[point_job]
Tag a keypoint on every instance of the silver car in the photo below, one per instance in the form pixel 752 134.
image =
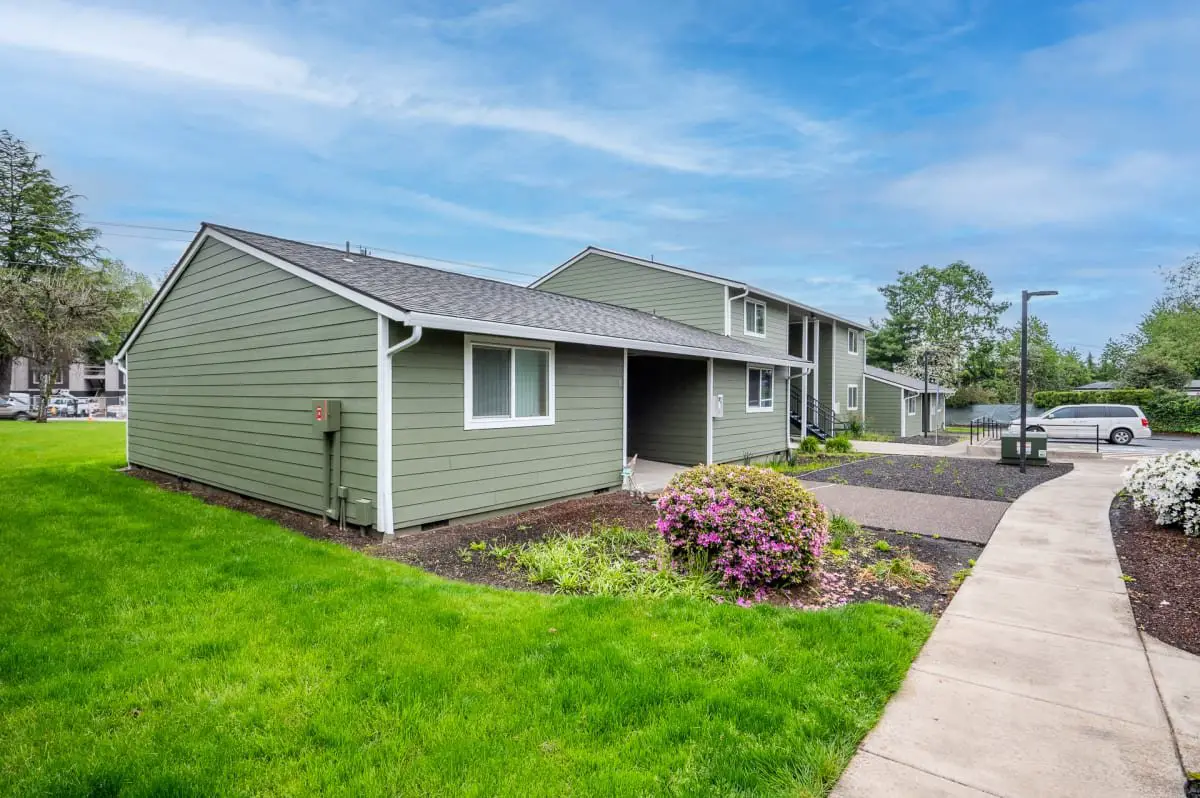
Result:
pixel 11 408
pixel 1119 424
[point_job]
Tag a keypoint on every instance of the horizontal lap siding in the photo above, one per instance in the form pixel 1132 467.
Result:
pixel 690 300
pixel 776 327
pixel 883 408
pixel 825 375
pixel 849 368
pixel 442 471
pixel 223 376
pixel 667 409
pixel 740 434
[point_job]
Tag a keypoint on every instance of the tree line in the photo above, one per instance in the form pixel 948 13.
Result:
pixel 62 297
pixel 949 318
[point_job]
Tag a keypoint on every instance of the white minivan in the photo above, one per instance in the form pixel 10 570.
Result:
pixel 1113 423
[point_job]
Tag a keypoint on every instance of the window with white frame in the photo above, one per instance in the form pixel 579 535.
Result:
pixel 852 341
pixel 760 389
pixel 851 397
pixel 912 405
pixel 756 318
pixel 508 384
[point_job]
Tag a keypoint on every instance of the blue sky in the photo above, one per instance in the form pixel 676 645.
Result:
pixel 814 148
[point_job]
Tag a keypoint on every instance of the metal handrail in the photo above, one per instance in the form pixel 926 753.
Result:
pixel 1061 439
pixel 984 428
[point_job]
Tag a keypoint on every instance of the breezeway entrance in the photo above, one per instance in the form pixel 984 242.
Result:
pixel 667 407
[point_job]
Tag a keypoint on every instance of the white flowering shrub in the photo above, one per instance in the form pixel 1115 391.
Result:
pixel 1169 486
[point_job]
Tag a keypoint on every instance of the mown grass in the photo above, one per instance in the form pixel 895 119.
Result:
pixel 154 645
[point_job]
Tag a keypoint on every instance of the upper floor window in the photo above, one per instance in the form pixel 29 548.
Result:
pixel 756 318
pixel 508 385
pixel 852 341
pixel 760 389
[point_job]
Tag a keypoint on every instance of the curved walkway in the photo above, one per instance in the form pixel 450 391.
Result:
pixel 1035 681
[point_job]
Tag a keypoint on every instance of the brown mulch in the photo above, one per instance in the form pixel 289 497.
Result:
pixel 446 551
pixel 1165 567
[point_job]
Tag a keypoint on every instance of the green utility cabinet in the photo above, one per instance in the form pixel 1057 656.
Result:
pixel 326 415
pixel 1035 448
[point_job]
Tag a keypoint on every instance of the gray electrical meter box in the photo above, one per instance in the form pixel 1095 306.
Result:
pixel 326 415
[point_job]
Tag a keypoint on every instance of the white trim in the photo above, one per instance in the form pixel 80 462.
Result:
pixel 624 407
pixel 804 408
pixel 650 264
pixel 760 367
pixel 708 430
pixel 857 346
pixel 902 386
pixel 857 396
pixel 758 303
pixel 833 402
pixel 384 518
pixel 455 324
pixel 816 388
pixel 368 302
pixel 903 418
pixel 912 399
pixel 728 313
pixel 472 423
pixel 124 368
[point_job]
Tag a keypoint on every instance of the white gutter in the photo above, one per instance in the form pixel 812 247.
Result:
pixel 457 324
pixel 385 517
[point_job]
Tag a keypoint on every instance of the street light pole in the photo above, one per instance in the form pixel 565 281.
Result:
pixel 925 400
pixel 1025 296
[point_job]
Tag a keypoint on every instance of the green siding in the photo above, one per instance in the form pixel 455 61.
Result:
pixel 739 434
pixel 848 367
pixel 825 369
pixel 442 471
pixel 668 409
pixel 222 377
pixel 690 300
pixel 883 408
pixel 776 327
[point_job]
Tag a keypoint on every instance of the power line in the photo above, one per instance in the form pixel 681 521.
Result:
pixel 139 226
pixel 446 260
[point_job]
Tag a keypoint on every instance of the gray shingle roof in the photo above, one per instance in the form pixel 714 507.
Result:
pixel 421 289
pixel 911 383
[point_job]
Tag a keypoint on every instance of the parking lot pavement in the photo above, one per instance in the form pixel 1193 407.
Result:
pixel 949 517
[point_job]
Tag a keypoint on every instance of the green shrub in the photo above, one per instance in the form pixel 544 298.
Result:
pixel 854 426
pixel 611 561
pixel 969 395
pixel 839 445
pixel 755 527
pixel 809 445
pixel 1168 411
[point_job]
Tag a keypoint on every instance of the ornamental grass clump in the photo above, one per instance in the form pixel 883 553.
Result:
pixel 1170 487
pixel 755 528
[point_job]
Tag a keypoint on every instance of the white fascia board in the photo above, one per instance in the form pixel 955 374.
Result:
pixel 933 388
pixel 456 324
pixel 358 298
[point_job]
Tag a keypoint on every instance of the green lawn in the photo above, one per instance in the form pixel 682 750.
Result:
pixel 153 645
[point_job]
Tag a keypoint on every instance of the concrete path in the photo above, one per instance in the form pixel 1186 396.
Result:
pixel 949 516
pixel 887 447
pixel 1035 681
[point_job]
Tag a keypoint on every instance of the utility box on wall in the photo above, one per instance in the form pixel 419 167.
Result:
pixel 326 415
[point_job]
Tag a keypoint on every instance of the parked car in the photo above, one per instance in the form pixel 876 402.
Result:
pixel 1119 424
pixel 11 408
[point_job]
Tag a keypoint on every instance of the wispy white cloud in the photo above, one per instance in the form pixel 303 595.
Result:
pixel 677 127
pixel 580 228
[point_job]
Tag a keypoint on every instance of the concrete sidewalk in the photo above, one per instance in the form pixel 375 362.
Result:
pixel 1035 682
pixel 888 447
pixel 948 516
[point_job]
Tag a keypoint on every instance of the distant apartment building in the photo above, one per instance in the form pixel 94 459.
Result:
pixel 80 379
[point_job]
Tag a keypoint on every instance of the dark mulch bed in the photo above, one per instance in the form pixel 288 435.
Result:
pixel 441 551
pixel 969 478
pixel 1165 567
pixel 929 440
pixel 842 581
pixel 446 551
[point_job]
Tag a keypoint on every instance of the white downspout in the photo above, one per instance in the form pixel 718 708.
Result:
pixel 124 369
pixel 708 432
pixel 729 300
pixel 804 406
pixel 385 518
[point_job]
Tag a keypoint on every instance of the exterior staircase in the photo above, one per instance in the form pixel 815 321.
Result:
pixel 823 423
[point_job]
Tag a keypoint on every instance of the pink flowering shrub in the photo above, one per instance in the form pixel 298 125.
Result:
pixel 756 528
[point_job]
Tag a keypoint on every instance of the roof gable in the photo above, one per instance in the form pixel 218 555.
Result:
pixel 424 296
